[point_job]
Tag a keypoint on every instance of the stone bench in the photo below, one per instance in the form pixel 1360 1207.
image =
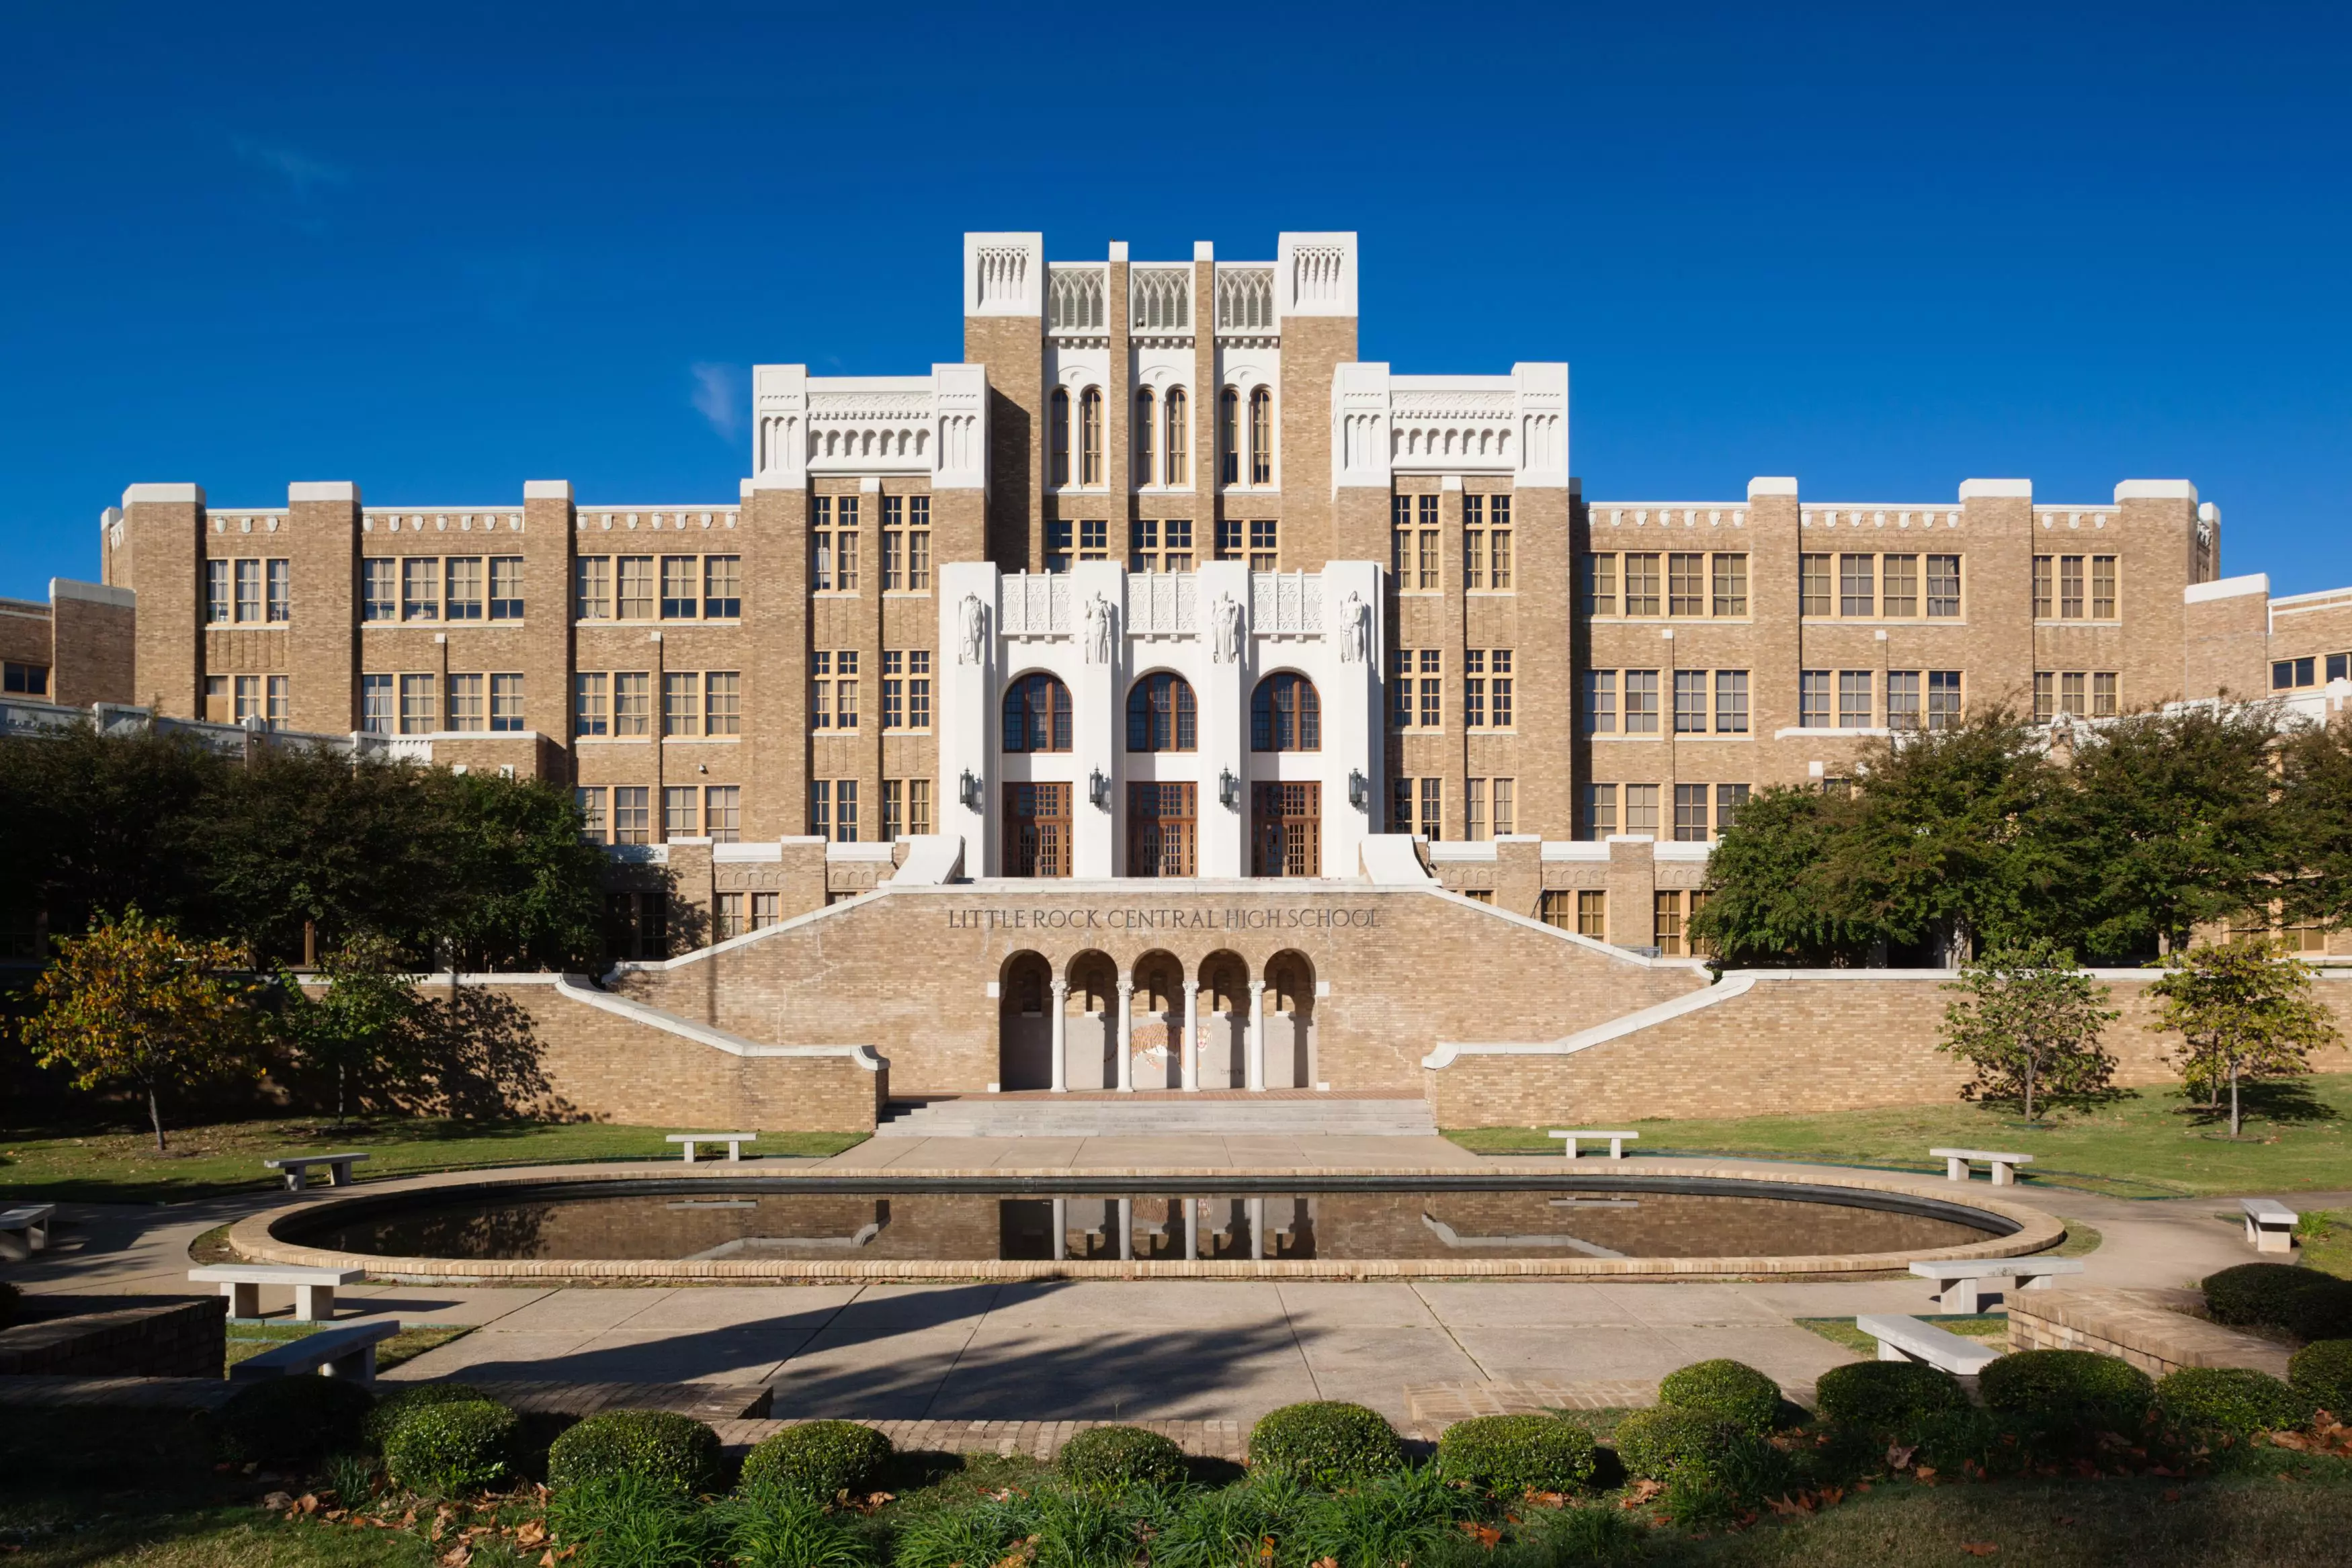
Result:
pixel 1959 1163
pixel 1960 1285
pixel 296 1169
pixel 347 1352
pixel 2270 1224
pixel 32 1221
pixel 734 1142
pixel 1908 1339
pixel 1617 1140
pixel 314 1289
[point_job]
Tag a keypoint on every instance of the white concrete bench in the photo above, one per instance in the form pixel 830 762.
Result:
pixel 2270 1224
pixel 31 1220
pixel 1959 1284
pixel 296 1169
pixel 1957 1163
pixel 1908 1339
pixel 347 1352
pixel 734 1142
pixel 1617 1140
pixel 314 1289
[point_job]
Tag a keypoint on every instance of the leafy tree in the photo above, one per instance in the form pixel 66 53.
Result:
pixel 91 822
pixel 361 1023
pixel 1774 898
pixel 134 1002
pixel 528 890
pixel 2243 1009
pixel 2029 1022
pixel 2315 811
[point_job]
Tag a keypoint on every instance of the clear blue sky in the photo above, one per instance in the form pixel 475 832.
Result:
pixel 1882 247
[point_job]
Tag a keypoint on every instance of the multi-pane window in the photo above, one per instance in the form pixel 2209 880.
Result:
pixel 821 544
pixel 722 587
pixel 1474 809
pixel 681 703
pixel 375 704
pixel 1641 702
pixel 1640 584
pixel 1417 545
pixel 1592 912
pixel 592 588
pixel 590 801
pixel 1857 590
pixel 1731 584
pixel 1732 702
pixel 1812 584
pixel 1228 538
pixel 1600 585
pixel 1898 586
pixel 632 702
pixel 418 713
pixel 462 588
pixel 845 810
pixel 766 909
pixel 1059 474
pixel 1090 432
pixel 633 814
pixel 1432 809
pixel 1729 798
pixel 1094 539
pixel 592 713
pixel 1943 587
pixel 1400 804
pixel 1506 809
pixel 1813 699
pixel 1499 685
pixel 845 551
pixel 1147 436
pixel 2081 694
pixel 216 591
pixel 1266 545
pixel 1600 704
pixel 681 811
pixel 1671 914
pixel 1229 440
pixel 1690 702
pixel 1854 698
pixel 679 597
pixel 1285 715
pixel 905 543
pixel 379 589
pixel 1943 699
pixel 1486 542
pixel 723 813
pixel 2286 675
pixel 1036 715
pixel 1037 829
pixel 466 702
pixel 2103 588
pixel 633 582
pixel 1161 714
pixel 833 697
pixel 1473 688
pixel 1162 828
pixel 1686 583
pixel 2060 584
pixel 420 588
pixel 505 588
pixel 1596 811
pixel 1432 662
pixel 728 917
pixel 248 698
pixel 24 679
pixel 505 704
pixel 1642 809
pixel 1059 535
pixel 1159 546
pixel 248 591
pixel 279 581
pixel 2103 695
pixel 1262 437
pixel 1178 462
pixel 1690 813
pixel 1903 699
pixel 2070 587
pixel 722 702
pixel 894 809
pixel 907 688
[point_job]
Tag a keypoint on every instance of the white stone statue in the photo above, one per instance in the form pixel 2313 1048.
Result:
pixel 1355 628
pixel 973 623
pixel 1099 630
pixel 1225 630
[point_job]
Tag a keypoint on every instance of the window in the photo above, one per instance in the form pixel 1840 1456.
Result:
pixel 1160 715
pixel 379 589
pixel 1473 688
pixel 633 696
pixel 2103 589
pixel 1433 688
pixel 1262 437
pixel 1943 699
pixel 723 813
pixel 894 543
pixel 248 592
pixel 918 806
pixel 1147 436
pixel 1429 552
pixel 1499 660
pixel 1690 702
pixel 465 693
pixel 2074 691
pixel 506 705
pixel 1729 798
pixel 1090 434
pixel 1899 585
pixel 1506 812
pixel 722 702
pixel 1732 702
pixel 1474 809
pixel 894 809
pixel 832 809
pixel 1596 811
pixel 1641 702
pixel 1400 804
pixel 462 578
pixel 919 544
pixel 1642 809
pixel 907 688
pixel 592 588
pixel 1229 446
pixel 1061 435
pixel 679 598
pixel 1943 587
pixel 1600 585
pixel 1902 699
pixel 1599 702
pixel 681 806
pixel 2070 587
pixel 635 588
pixel 1178 463
pixel 1142 545
pixel 1853 699
pixel 1037 829
pixel 1058 536
pixel 1160 823
pixel 420 588
pixel 1228 538
pixel 821 544
pixel 1285 715
pixel 844 689
pixel 2288 673
pixel 633 814
pixel 1176 538
pixel 1813 585
pixel 681 703
pixel 1266 545
pixel 280 587
pixel 2082 694
pixel 1400 688
pixel 1286 829
pixel 216 593
pixel 590 803
pixel 1685 584
pixel 845 544
pixel 2045 578
pixel 416 705
pixel 505 588
pixel 2045 695
pixel 217 709
pixel 1498 542
pixel 1592 913
pixel 2339 666
pixel 1857 590
pixel 1037 714
pixel 1812 699
pixel 248 698
pixel 375 704
pixel 1731 584
pixel 1690 813
pixel 727 916
pixel 2103 695
pixel 1666 924
pixel 1640 585
pixel 280 690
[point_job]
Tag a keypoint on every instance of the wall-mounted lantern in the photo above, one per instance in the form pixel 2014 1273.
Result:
pixel 1099 790
pixel 967 789
pixel 1359 788
pixel 1228 790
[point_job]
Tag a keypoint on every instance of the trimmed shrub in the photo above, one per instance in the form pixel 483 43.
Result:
pixel 1325 1441
pixel 821 1459
pixel 2077 1386
pixel 291 1420
pixel 1109 1459
pixel 1509 1456
pixel 1731 1391
pixel 2257 1294
pixel 674 1452
pixel 393 1408
pixel 2322 1312
pixel 1880 1396
pixel 450 1449
pixel 2231 1401
pixel 2323 1370
pixel 1654 1444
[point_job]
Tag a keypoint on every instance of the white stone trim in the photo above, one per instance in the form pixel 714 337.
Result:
pixel 2156 490
pixel 546 489
pixel 160 494
pixel 321 490
pixel 865 1056
pixel 1722 990
pixel 1996 490
pixel 1771 484
pixel 95 593
pixel 2226 588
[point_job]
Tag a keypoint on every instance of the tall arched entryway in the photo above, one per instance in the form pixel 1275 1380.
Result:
pixel 1290 1004
pixel 1224 1002
pixel 1025 1023
pixel 1156 1027
pixel 1090 1021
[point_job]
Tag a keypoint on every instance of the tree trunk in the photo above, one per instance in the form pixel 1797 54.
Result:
pixel 155 1117
pixel 2028 1088
pixel 341 1070
pixel 2233 1097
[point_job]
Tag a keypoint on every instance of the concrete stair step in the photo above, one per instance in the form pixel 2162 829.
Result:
pixel 1157 1117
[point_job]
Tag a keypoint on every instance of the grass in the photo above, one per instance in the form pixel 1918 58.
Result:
pixel 250 1339
pixel 118 1164
pixel 1843 1332
pixel 2325 1235
pixel 2152 1144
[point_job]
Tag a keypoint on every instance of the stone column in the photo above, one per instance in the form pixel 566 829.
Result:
pixel 1192 1227
pixel 1191 1063
pixel 1126 1039
pixel 1061 1226
pixel 1061 1047
pixel 1125 1229
pixel 1256 1048
pixel 1257 1225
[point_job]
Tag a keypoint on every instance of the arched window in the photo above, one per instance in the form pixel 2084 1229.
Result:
pixel 1178 446
pixel 1285 715
pixel 1160 715
pixel 1147 420
pixel 1037 714
pixel 1061 435
pixel 1262 437
pixel 1090 448
pixel 1229 440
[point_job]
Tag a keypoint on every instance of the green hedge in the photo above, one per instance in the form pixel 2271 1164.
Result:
pixel 293 1420
pixel 2322 1312
pixel 451 1448
pixel 1732 1392
pixel 675 1451
pixel 1510 1455
pixel 1110 1458
pixel 2075 1385
pixel 1882 1396
pixel 1325 1442
pixel 1654 1444
pixel 2229 1401
pixel 2323 1371
pixel 2257 1294
pixel 393 1408
pixel 821 1459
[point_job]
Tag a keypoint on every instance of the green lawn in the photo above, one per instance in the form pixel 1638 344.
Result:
pixel 119 1164
pixel 250 1339
pixel 1843 1332
pixel 2154 1144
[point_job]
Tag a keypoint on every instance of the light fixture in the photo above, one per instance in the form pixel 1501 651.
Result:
pixel 969 788
pixel 1359 788
pixel 1228 790
pixel 1099 790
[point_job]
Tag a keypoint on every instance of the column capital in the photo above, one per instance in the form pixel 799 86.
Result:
pixel 1127 985
pixel 1257 985
pixel 1061 988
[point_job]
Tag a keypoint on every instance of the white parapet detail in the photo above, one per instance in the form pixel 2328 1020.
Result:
pixel 1315 274
pixel 931 426
pixel 1003 273
pixel 1384 424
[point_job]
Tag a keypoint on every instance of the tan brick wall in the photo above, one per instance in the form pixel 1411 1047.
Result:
pixel 92 652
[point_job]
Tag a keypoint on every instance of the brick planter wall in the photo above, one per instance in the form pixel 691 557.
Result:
pixel 2147 1328
pixel 116 1336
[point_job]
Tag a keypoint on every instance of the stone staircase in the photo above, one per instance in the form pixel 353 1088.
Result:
pixel 1288 1113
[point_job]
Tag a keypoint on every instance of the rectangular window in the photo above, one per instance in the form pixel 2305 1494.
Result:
pixel 1943 699
pixel 1400 537
pixel 590 801
pixel 894 543
pixel 1498 542
pixel 1943 587
pixel 1732 702
pixel 821 690
pixel 2074 692
pixel 591 709
pixel 1142 544
pixel 2070 587
pixel 845 810
pixel 2103 588
pixel 1813 699
pixel 1506 809
pixel 1474 541
pixel 1400 688
pixel 894 809
pixel 1499 688
pixel 1432 689
pixel 678 596
pixel 217 709
pixel 723 813
pixel 2288 673
pixel 1058 536
pixel 1599 586
pixel 274 713
pixel 1432 809
pixel 1265 546
pixel 729 917
pixel 844 690
pixel 1690 702
pixel 766 909
pixel 505 588
pixel 248 592
pixel 1176 545
pixel 1641 702
pixel 1228 538
pixel 681 703
pixel 2046 587
pixel 722 702
pixel 1431 549
pixel 919 544
pixel 1857 587
pixel 1474 811
pixel 1902 699
pixel 919 688
pixel 26 680
pixel 1690 813
pixel 1731 584
pixel 465 696
pixel 1599 702
pixel 635 580
pixel 1094 539
pixel 632 702
pixel 918 807
pixel 1400 805
pixel 1853 699
pixel 633 814
pixel 845 544
pixel 420 588
pixel 375 704
pixel 1642 809
pixel 1596 812
pixel 416 705
pixel 1899 585
pixel 463 588
pixel 2339 666
pixel 280 589
pixel 216 593
pixel 722 587
pixel 248 698
pixel 1813 585
pixel 592 588
pixel 379 589
pixel 820 544
pixel 2045 695
pixel 1592 913
pixel 506 705
pixel 1666 924
pixel 2103 695
pixel 1473 688
pixel 894 703
pixel 1729 798
pixel 1640 585
pixel 681 808
pixel 1685 584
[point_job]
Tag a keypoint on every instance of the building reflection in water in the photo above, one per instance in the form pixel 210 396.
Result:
pixel 1154 1228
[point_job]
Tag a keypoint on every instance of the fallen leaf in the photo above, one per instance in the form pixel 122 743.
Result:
pixel 276 1501
pixel 531 1534
pixel 1548 1499
pixel 1832 1496
pixel 1924 1472
pixel 458 1556
pixel 1641 1492
pixel 2172 1494
pixel 1899 1457
pixel 1980 1548
pixel 1485 1535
